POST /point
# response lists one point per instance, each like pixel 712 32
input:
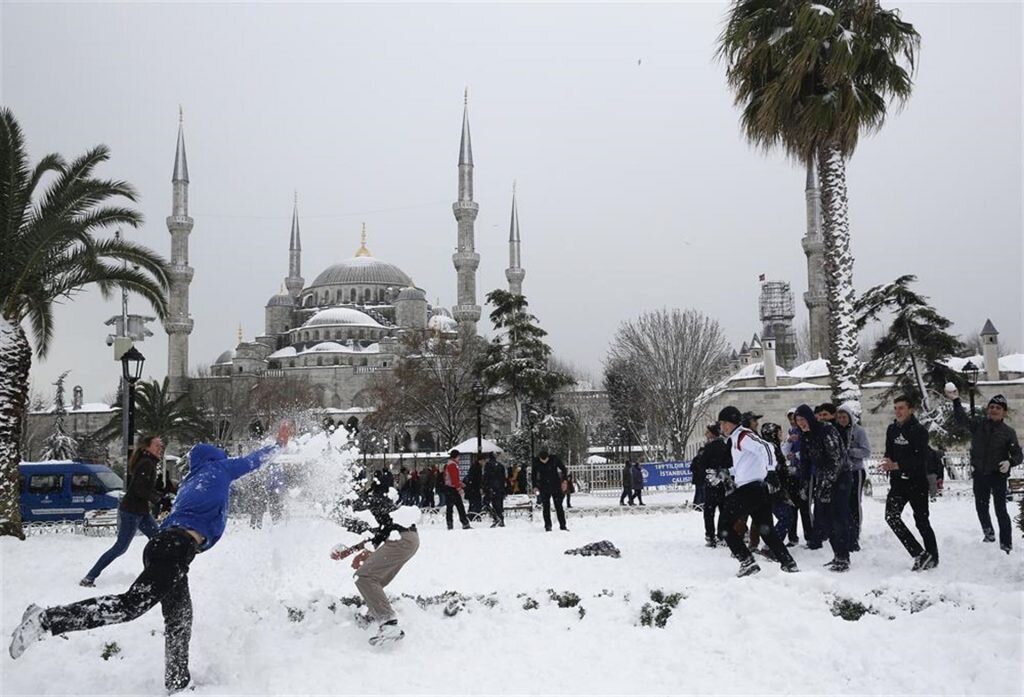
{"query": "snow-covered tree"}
pixel 60 445
pixel 812 77
pixel 666 360
pixel 517 364
pixel 913 350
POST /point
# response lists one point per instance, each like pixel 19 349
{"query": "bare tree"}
pixel 673 357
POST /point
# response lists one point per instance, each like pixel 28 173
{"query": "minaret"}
pixel 815 298
pixel 466 260
pixel 515 272
pixel 990 346
pixel 178 323
pixel 294 282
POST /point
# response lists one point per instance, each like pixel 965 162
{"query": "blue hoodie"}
pixel 202 500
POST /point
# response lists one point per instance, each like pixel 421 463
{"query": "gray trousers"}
pixel 380 569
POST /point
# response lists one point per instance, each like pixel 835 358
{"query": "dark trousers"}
pixel 638 495
pixel 475 500
pixel 496 504
pixel 698 494
pixel 785 517
pixel 803 512
pixel 752 500
pixel 713 498
pixel 833 517
pixel 545 502
pixel 993 486
pixel 902 492
pixel 164 580
pixel 856 512
pixel 129 523
pixel 626 491
pixel 452 498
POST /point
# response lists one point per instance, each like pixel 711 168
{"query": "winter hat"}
pixel 851 410
pixel 1000 401
pixel 770 432
pixel 454 453
pixel 731 415
pixel 808 414
pixel 749 417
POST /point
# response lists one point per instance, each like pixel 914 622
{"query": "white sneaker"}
pixel 29 631
pixel 388 632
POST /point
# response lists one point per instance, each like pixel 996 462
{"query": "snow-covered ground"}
pixel 268 618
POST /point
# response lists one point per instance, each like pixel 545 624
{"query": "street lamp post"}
pixel 478 397
pixel 131 370
pixel 971 372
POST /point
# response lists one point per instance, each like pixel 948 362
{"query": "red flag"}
pixel 762 278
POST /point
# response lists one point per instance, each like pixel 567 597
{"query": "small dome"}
pixel 443 311
pixel 818 368
pixel 225 358
pixel 342 315
pixel 363 270
pixel 281 300
pixel 442 323
pixel 326 347
pixel 286 352
pixel 412 293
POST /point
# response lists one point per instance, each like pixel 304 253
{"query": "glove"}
pixel 951 391
pixel 1004 467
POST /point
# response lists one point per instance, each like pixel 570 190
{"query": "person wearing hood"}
pixel 994 450
pixel 195 524
pixel 906 461
pixel 751 460
pixel 799 482
pixel 494 486
pixel 855 438
pixel 821 443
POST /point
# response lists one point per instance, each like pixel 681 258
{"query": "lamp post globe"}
pixel 971 372
pixel 131 370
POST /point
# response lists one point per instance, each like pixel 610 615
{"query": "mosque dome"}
pixel 341 315
pixel 412 293
pixel 362 269
pixel 281 300
pixel 225 358
pixel 442 323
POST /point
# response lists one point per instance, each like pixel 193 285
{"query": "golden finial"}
pixel 239 332
pixel 363 251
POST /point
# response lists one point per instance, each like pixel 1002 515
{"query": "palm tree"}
pixel 51 254
pixel 175 419
pixel 811 78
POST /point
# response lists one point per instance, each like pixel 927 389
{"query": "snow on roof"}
pixel 1014 363
pixel 442 323
pixel 818 368
pixel 334 347
pixel 879 383
pixel 88 407
pixel 756 370
pixel 286 352
pixel 341 315
pixel 957 363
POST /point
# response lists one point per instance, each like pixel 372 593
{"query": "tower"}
pixel 178 323
pixel 515 272
pixel 771 378
pixel 294 281
pixel 777 310
pixel 990 347
pixel 816 297
pixel 466 260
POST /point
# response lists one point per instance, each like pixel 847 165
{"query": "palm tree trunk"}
pixel 844 365
pixel 15 361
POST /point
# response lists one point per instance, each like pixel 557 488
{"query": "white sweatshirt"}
pixel 751 456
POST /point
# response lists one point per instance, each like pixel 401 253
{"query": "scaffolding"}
pixel 777 310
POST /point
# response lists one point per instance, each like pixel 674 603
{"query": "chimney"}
pixel 768 347
pixel 990 347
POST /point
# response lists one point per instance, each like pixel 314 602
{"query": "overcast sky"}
pixel 636 188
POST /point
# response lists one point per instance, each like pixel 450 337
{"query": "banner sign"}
pixel 667 473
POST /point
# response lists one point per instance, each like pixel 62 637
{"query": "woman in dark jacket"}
pixel 822 446
pixel 134 512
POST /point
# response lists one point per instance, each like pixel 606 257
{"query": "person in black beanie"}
pixel 548 475
pixel 712 464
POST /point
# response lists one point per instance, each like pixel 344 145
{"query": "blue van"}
pixel 53 491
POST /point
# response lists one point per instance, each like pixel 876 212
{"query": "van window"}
pixel 85 484
pixel 109 480
pixel 45 483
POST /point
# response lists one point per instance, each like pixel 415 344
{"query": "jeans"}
pixel 993 486
pixel 904 491
pixel 752 500
pixel 545 502
pixel 164 580
pixel 127 525
pixel 785 516
pixel 835 517
pixel 713 498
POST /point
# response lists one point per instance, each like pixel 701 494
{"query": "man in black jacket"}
pixel 627 483
pixel 906 461
pixel 494 490
pixel 994 450
pixel 548 475
pixel 712 464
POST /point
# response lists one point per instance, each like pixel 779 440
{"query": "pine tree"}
pixel 516 364
pixel 60 445
pixel 913 349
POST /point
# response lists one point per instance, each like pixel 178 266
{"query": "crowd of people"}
pixel 766 485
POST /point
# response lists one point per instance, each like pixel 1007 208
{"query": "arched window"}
pixel 339 296
pixel 308 301
pixel 352 295
pixel 291 363
pixel 337 335
pixel 319 360
pixel 316 335
pixel 366 295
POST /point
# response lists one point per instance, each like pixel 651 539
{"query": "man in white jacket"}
pixel 751 458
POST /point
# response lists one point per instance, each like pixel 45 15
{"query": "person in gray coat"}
pixel 637 476
pixel 855 438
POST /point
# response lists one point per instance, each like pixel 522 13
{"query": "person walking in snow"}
pixel 627 483
pixel 547 477
pixel 855 439
pixel 637 477
pixel 751 459
pixel 394 544
pixel 474 485
pixel 713 461
pixel 133 513
pixel 195 524
pixel 994 450
pixel 906 461
pixel 821 443
pixel 453 492
pixel 494 488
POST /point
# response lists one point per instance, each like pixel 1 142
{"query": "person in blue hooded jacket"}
pixel 195 524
